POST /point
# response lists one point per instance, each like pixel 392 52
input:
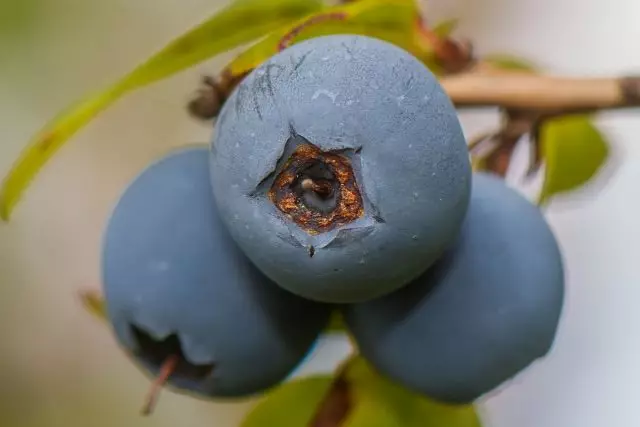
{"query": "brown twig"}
pixel 543 94
pixel 500 145
pixel 212 95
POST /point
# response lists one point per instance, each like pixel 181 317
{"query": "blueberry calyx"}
pixel 167 361
pixel 156 352
pixel 317 187
pixel 317 190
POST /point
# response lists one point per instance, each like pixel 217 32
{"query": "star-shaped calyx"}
pixel 320 193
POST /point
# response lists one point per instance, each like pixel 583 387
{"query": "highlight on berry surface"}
pixel 225 30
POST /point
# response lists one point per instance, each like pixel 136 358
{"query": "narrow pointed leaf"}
pixel 573 150
pixel 291 404
pixel 395 21
pixel 379 395
pixel 509 63
pixel 94 304
pixel 356 396
pixel 241 22
pixel 444 29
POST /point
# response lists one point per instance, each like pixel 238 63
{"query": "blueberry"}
pixel 340 168
pixel 180 293
pixel 484 312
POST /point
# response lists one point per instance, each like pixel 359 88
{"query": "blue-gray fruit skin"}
pixel 487 310
pixel 388 111
pixel 170 267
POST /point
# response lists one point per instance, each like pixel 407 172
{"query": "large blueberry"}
pixel 482 314
pixel 178 288
pixel 340 168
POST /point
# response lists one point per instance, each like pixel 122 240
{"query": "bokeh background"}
pixel 60 367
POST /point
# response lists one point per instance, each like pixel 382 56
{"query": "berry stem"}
pixel 166 370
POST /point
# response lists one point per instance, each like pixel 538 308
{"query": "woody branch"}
pixel 538 95
pixel 542 94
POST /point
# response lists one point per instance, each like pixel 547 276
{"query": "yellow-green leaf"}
pixel 94 304
pixel 573 150
pixel 444 28
pixel 395 21
pixel 291 404
pixel 509 63
pixel 380 398
pixel 358 397
pixel 240 22
pixel 336 323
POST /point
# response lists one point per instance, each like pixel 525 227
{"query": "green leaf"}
pixel 356 397
pixel 394 21
pixel 574 150
pixel 291 404
pixel 444 28
pixel 94 304
pixel 378 397
pixel 336 323
pixel 241 22
pixel 509 63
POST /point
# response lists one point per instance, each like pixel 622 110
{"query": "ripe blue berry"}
pixel 482 314
pixel 181 295
pixel 340 168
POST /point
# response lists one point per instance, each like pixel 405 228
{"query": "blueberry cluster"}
pixel 338 179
